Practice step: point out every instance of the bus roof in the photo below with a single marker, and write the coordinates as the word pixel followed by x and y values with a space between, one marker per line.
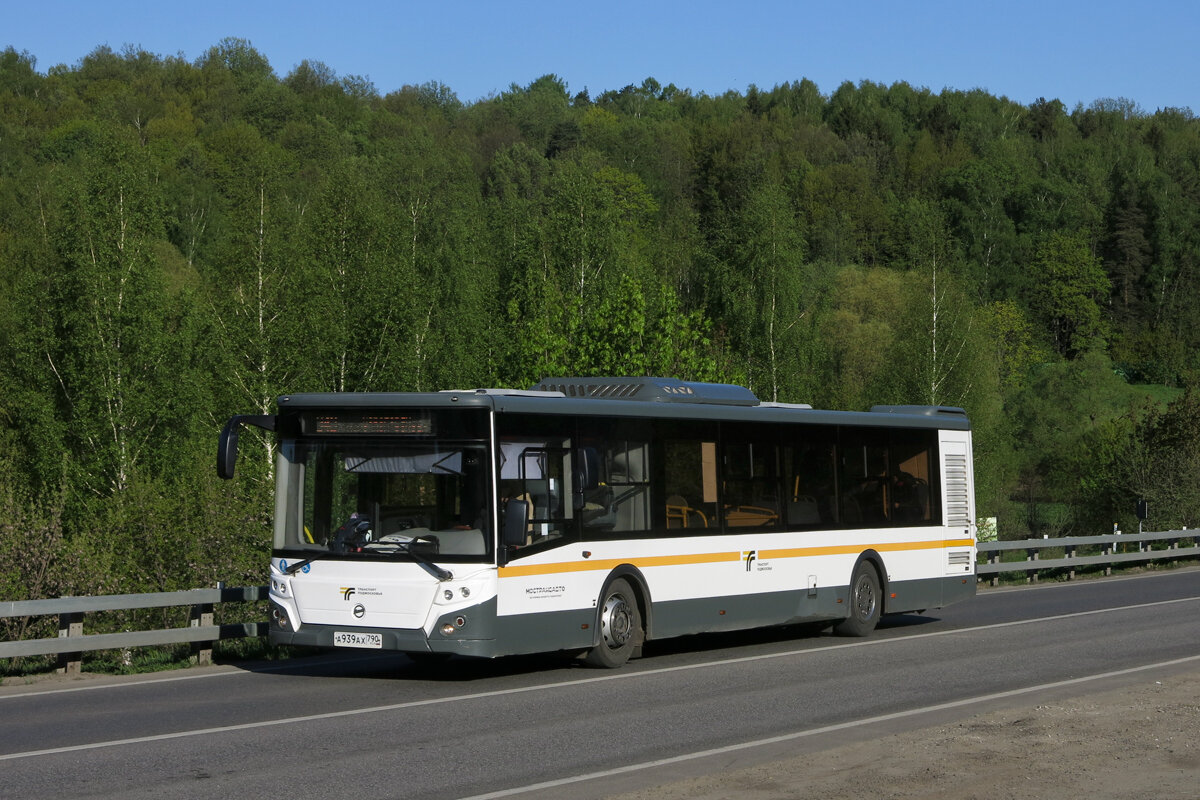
pixel 639 397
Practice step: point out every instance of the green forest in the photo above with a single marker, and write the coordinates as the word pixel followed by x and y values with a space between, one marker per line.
pixel 184 240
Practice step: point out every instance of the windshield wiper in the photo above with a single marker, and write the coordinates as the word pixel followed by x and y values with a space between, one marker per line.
pixel 412 547
pixel 441 573
pixel 292 569
pixel 355 537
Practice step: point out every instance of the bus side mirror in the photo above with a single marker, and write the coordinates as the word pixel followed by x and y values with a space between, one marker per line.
pixel 516 520
pixel 227 447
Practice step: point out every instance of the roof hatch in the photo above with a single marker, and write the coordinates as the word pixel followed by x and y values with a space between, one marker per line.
pixel 655 390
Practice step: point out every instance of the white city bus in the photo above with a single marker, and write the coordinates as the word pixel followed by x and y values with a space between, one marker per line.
pixel 594 514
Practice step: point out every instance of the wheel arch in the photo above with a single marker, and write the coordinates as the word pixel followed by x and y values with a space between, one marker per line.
pixel 641 590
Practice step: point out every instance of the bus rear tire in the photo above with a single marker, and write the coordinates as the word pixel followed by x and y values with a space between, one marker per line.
pixel 865 603
pixel 620 627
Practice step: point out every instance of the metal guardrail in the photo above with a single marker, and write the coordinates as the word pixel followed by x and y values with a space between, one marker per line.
pixel 1115 548
pixel 71 641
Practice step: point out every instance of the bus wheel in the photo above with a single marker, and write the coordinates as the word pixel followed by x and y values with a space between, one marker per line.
pixel 620 627
pixel 865 603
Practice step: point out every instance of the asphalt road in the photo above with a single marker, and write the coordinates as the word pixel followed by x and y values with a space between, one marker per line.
pixel 367 725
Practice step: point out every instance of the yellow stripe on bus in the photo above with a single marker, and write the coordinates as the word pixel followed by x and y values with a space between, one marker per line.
pixel 612 563
pixel 854 549
pixel 712 558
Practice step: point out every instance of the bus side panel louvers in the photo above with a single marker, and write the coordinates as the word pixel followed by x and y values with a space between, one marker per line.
pixel 958 499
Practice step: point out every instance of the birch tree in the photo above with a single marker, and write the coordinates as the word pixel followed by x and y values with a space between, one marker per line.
pixel 114 361
pixel 937 345
pixel 250 277
pixel 770 291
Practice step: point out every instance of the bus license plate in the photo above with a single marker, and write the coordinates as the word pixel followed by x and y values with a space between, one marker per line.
pixel 372 641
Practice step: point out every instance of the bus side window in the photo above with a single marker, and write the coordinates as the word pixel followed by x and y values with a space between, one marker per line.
pixel 864 479
pixel 613 470
pixel 912 499
pixel 630 481
pixel 690 485
pixel 537 464
pixel 885 478
pixel 751 482
pixel 811 488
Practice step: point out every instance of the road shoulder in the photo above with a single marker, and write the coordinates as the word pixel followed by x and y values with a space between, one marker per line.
pixel 1141 740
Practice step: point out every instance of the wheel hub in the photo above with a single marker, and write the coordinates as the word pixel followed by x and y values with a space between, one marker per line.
pixel 616 622
pixel 864 598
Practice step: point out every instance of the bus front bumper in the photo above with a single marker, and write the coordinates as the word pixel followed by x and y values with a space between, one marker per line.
pixel 452 634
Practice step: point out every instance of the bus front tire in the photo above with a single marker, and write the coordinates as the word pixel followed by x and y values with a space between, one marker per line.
pixel 866 600
pixel 620 627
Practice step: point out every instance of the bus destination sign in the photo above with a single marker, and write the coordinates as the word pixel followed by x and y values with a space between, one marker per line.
pixel 378 423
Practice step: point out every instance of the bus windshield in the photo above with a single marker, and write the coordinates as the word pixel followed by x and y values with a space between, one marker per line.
pixel 352 497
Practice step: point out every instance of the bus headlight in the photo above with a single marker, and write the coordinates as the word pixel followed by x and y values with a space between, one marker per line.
pixel 452 593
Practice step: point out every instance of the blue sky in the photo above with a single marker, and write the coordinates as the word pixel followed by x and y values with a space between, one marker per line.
pixel 1074 51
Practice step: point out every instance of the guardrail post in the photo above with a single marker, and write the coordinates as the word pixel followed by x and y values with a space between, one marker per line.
pixel 1031 575
pixel 1108 548
pixel 994 558
pixel 202 617
pixel 70 624
pixel 1069 552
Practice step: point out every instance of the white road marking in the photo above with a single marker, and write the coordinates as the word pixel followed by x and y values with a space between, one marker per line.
pixel 630 675
pixel 787 737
